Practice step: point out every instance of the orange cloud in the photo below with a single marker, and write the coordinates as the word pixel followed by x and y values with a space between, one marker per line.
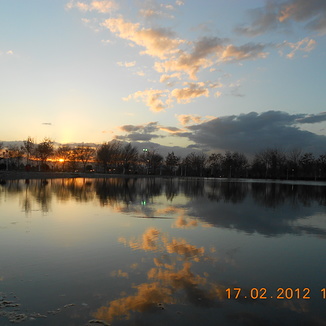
pixel 148 296
pixel 185 95
pixel 157 42
pixel 183 248
pixel 243 52
pixel 154 98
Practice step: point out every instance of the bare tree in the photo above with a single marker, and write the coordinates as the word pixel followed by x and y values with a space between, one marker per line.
pixel 63 154
pixel 29 148
pixel 15 156
pixel 293 160
pixel 171 162
pixel 44 150
pixel 108 153
pixel 128 156
pixel 84 154
pixel 215 164
pixel 195 163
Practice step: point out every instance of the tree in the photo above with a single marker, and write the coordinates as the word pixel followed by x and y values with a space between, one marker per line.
pixel 108 153
pixel 293 159
pixel 63 154
pixel 128 156
pixel 15 156
pixel 171 162
pixel 155 161
pixel 272 160
pixel 307 164
pixel 29 148
pixel 44 150
pixel 84 154
pixel 322 166
pixel 194 164
pixel 215 164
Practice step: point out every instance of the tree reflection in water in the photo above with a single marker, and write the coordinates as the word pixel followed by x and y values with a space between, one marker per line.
pixel 204 198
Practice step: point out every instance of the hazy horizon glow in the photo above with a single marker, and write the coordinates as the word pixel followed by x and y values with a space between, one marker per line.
pixel 164 71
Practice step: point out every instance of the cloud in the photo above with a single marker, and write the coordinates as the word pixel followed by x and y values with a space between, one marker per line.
pixel 152 9
pixel 276 14
pixel 9 52
pixel 209 51
pixel 198 58
pixel 142 132
pixel 187 119
pixel 126 64
pixel 146 132
pixel 247 51
pixel 193 90
pixel 164 78
pixel 103 6
pixel 157 42
pixel 185 95
pixel 305 45
pixel 172 130
pixel 252 132
pixel 136 136
pixel 313 118
pixel 154 98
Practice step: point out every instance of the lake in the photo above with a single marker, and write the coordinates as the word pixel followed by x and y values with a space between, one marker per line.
pixel 160 251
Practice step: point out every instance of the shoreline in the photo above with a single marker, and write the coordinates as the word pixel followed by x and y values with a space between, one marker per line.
pixel 35 175
pixel 21 175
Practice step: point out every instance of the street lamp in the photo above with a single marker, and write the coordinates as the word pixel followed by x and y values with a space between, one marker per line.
pixel 145 150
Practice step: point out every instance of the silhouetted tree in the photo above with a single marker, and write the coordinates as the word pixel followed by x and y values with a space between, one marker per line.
pixel 156 161
pixel 171 162
pixel 29 148
pixel 308 165
pixel 195 164
pixel 108 153
pixel 293 159
pixel 63 153
pixel 84 154
pixel 15 155
pixel 273 162
pixel 44 150
pixel 215 164
pixel 128 156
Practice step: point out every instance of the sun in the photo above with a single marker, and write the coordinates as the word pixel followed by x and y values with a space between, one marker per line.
pixel 61 160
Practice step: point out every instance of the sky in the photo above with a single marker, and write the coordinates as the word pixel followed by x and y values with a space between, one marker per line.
pixel 203 75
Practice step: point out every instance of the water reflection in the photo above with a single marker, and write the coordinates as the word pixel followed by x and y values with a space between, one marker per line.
pixel 171 280
pixel 177 293
pixel 163 251
pixel 277 206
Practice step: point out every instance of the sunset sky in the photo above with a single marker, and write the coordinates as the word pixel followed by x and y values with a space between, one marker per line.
pixel 211 74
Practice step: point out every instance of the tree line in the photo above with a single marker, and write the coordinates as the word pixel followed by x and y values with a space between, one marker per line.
pixel 124 158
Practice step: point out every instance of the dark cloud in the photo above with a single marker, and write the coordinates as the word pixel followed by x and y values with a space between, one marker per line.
pixel 252 132
pixel 276 14
pixel 136 136
pixel 145 128
pixel 313 118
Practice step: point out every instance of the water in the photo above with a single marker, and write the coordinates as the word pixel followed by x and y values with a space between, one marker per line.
pixel 162 252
